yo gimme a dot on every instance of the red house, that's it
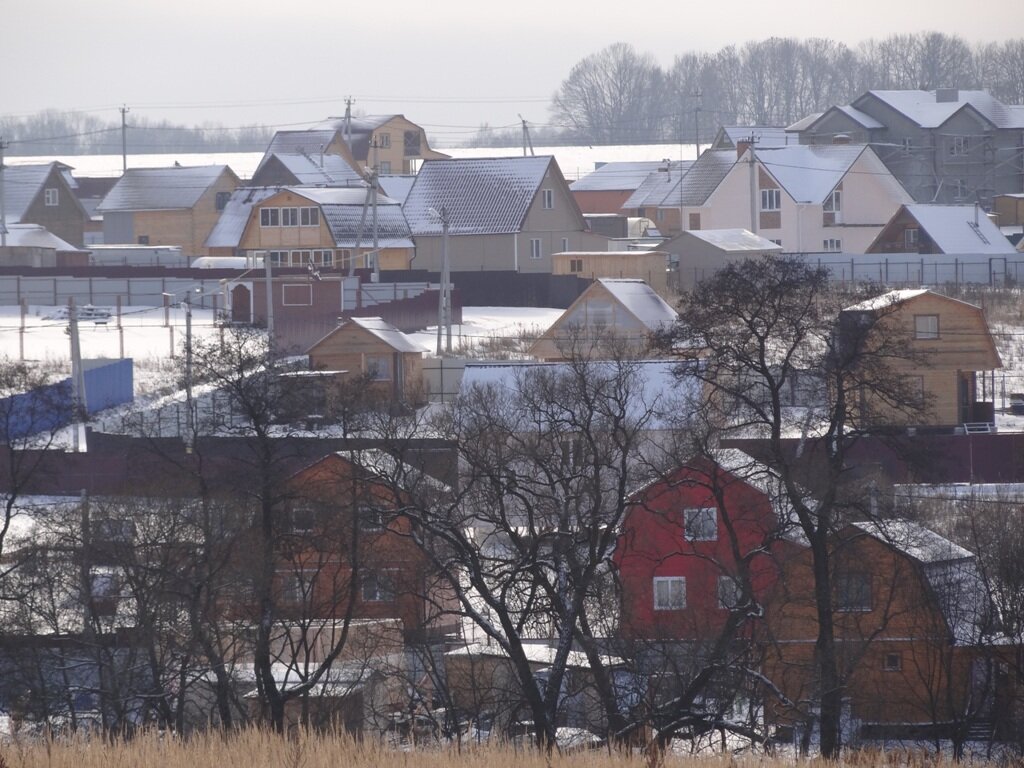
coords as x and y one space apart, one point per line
690 543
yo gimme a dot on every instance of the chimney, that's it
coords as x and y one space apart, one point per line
947 95
741 147
841 138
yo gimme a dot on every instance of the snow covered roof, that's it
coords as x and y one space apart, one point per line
230 226
619 176
326 169
914 540
733 239
923 108
809 172
660 188
536 653
387 333
156 189
886 300
959 228
310 142
641 300
483 196
863 118
803 123
36 236
395 186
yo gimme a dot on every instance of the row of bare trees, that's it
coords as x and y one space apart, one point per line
254 576
622 95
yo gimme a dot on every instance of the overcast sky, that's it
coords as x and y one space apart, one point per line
448 64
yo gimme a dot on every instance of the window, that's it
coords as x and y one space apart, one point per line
301 519
959 146
832 244
384 167
926 326
915 389
289 217
370 518
659 215
309 217
323 258
297 586
728 592
411 142
379 367
384 140
143 239
777 242
575 265
346 259
960 189
911 238
104 582
301 258
51 196
377 587
279 258
297 295
834 202
771 199
270 217
700 524
222 200
535 248
892 662
547 197
853 592
113 530
565 244
669 593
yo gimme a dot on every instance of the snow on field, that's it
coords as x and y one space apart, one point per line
489 327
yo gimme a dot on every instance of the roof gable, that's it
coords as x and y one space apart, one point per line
809 172
23 184
230 226
324 170
376 327
156 189
954 228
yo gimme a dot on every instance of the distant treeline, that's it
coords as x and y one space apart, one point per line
622 96
53 132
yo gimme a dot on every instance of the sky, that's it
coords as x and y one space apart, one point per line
448 65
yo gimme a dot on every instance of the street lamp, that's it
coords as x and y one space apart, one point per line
444 299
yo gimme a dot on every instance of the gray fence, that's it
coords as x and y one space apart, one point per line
103 291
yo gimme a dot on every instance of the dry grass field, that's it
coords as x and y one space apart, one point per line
261 749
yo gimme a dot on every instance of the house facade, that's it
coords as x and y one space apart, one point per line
504 214
944 146
167 206
649 266
606 189
698 254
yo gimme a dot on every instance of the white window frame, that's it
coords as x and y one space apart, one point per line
575 266
382 583
832 245
51 197
369 518
844 593
771 199
696 522
565 244
911 237
278 258
547 197
834 202
669 593
292 291
384 140
290 217
959 146
309 216
926 327
270 217
536 248
378 367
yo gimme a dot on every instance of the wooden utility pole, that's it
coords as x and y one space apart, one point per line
696 119
3 212
124 138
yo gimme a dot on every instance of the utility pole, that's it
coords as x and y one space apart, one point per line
3 212
753 184
444 302
696 119
373 186
189 406
124 139
348 122
77 380
270 303
527 141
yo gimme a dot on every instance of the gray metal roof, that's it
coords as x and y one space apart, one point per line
614 177
313 170
158 189
396 187
227 232
705 175
483 196
640 299
731 240
310 142
36 236
342 208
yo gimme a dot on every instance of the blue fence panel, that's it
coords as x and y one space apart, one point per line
40 410
107 383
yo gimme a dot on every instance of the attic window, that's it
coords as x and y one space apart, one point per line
893 662
853 591
911 238
926 326
51 196
412 143
222 200
669 593
701 524
384 140
959 146
771 199
548 198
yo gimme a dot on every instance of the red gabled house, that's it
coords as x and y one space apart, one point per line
691 542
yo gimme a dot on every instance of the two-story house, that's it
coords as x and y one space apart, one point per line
507 214
944 146
945 344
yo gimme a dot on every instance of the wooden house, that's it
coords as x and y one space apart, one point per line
44 194
698 254
947 343
370 348
167 206
612 316
910 612
504 214
297 169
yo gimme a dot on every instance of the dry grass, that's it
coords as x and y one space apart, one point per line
261 749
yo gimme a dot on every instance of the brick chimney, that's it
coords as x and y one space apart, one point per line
742 146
